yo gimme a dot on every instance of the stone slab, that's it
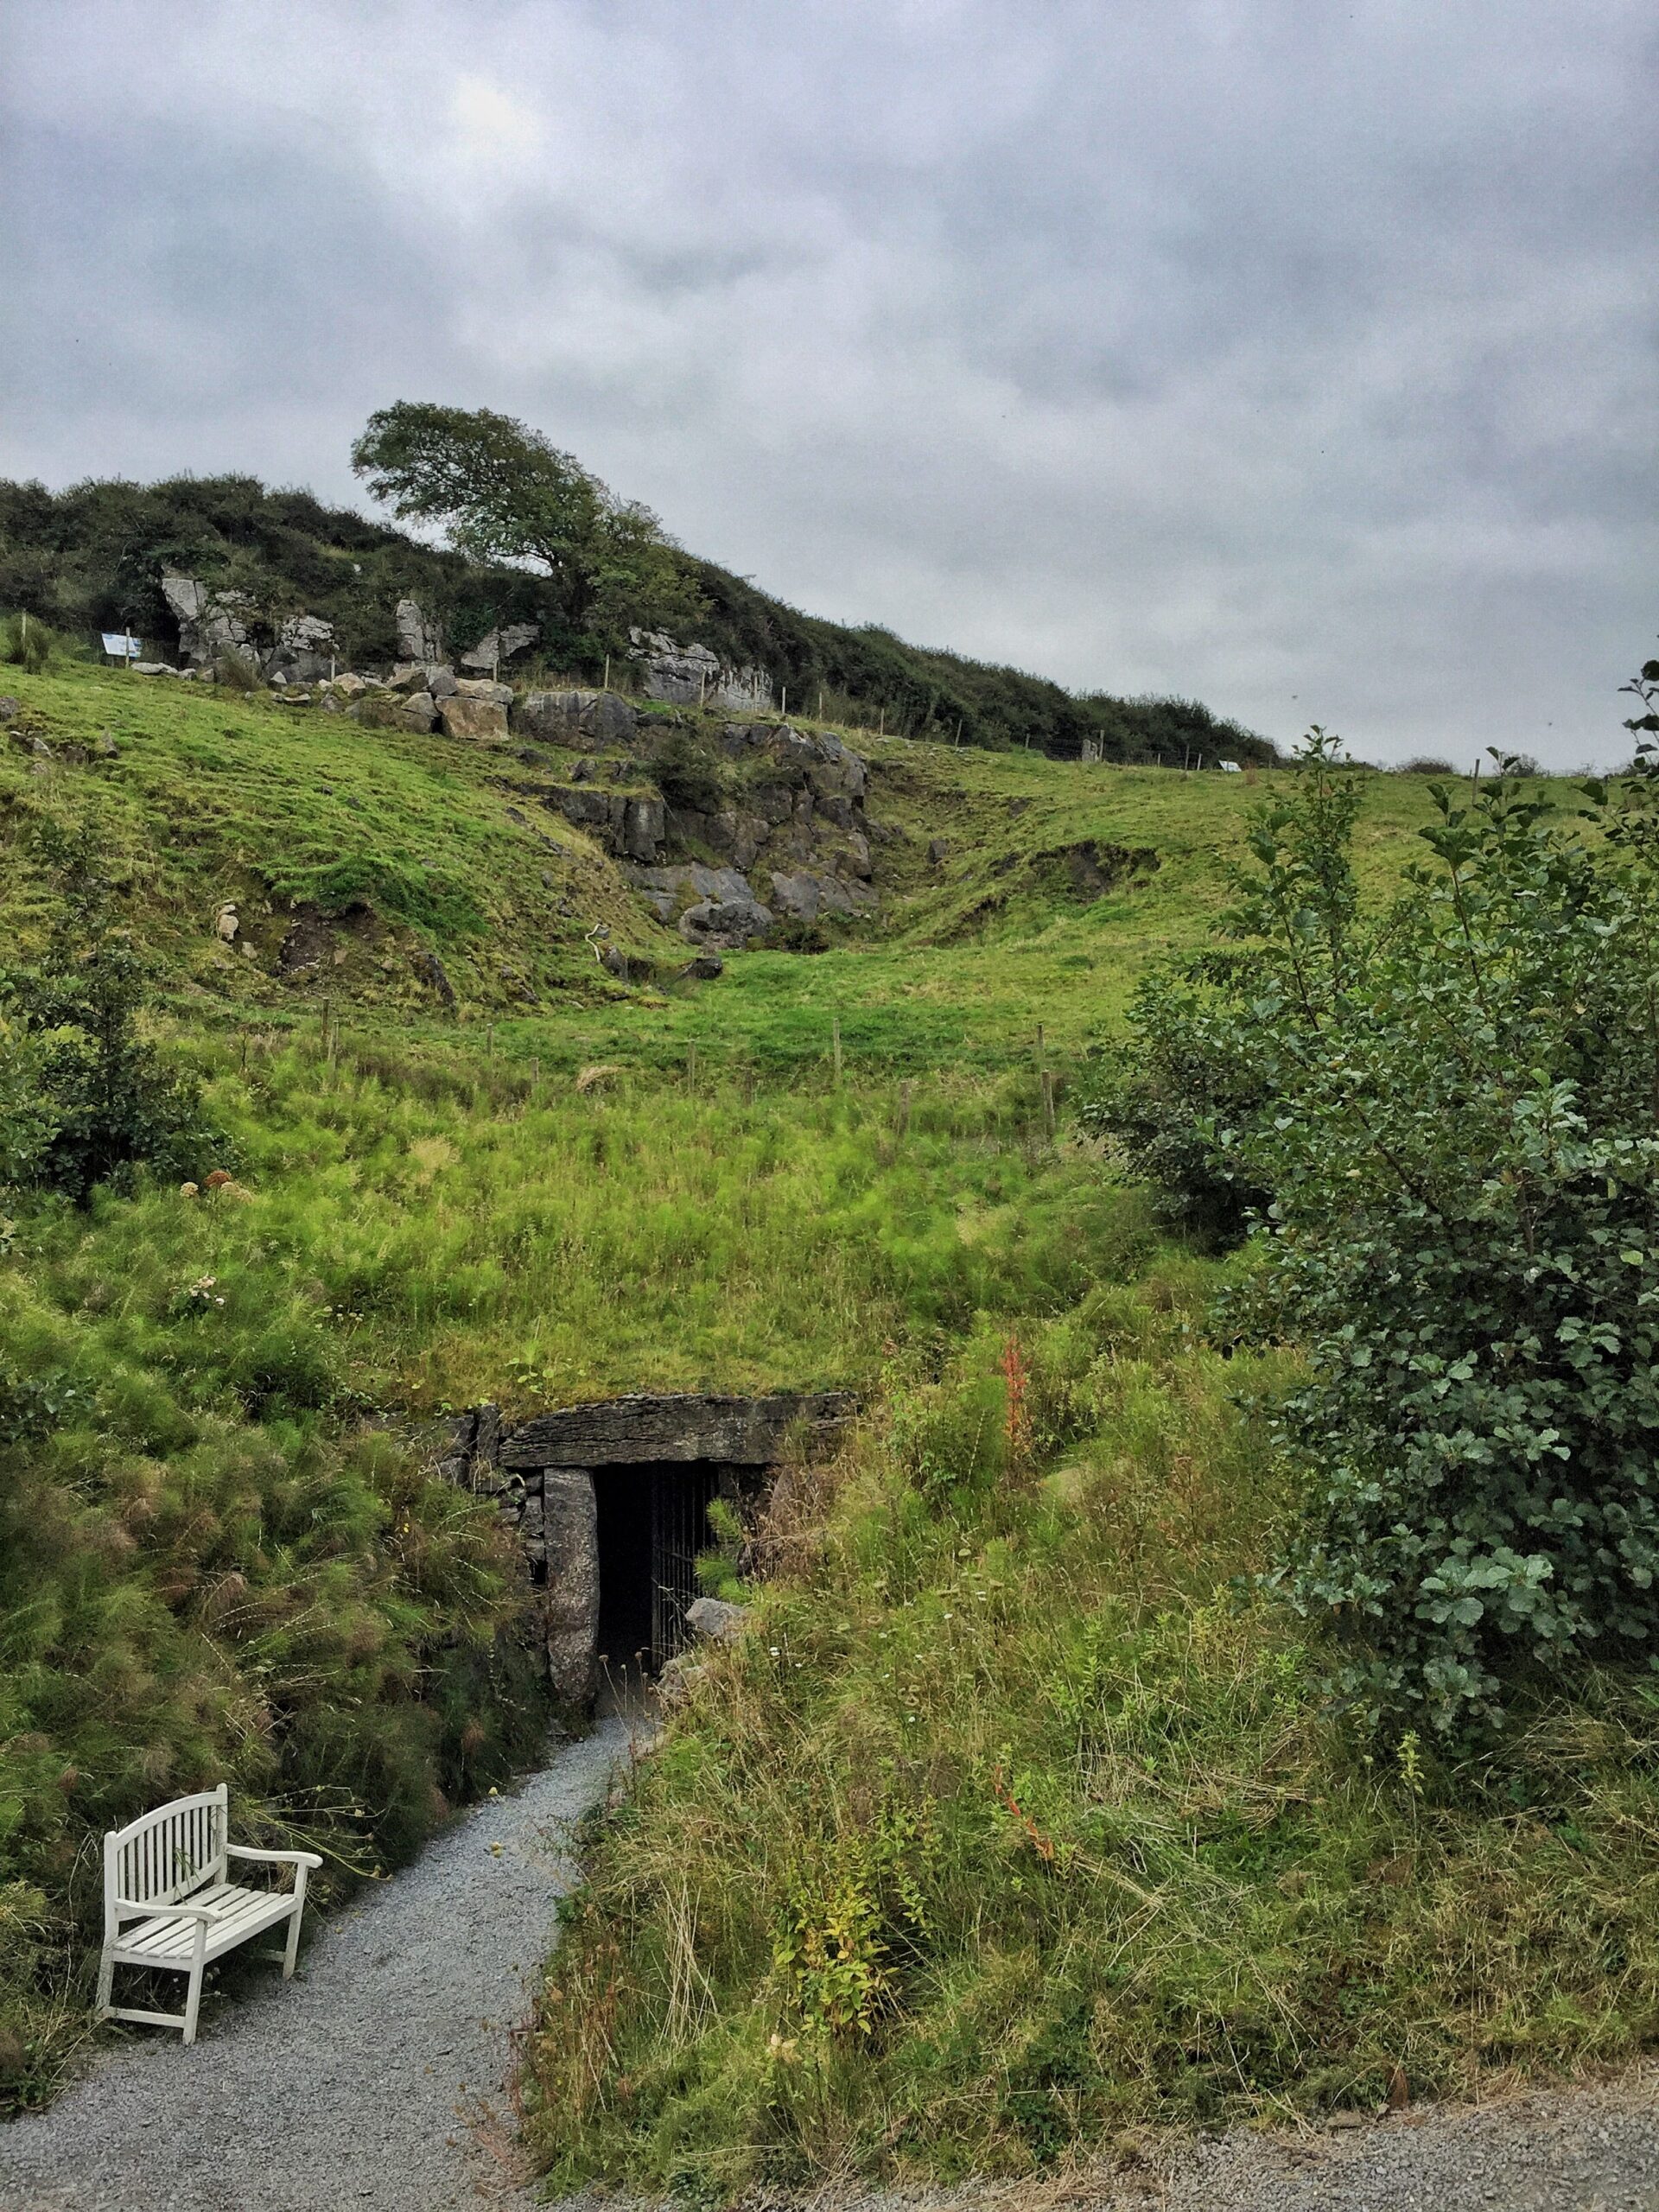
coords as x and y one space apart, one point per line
638 1430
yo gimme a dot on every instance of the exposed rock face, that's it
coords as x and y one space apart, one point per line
627 826
799 806
692 676
500 646
598 718
668 890
305 648
212 623
804 897
478 721
418 637
570 1532
725 925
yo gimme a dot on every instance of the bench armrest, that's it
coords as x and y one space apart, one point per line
126 1909
275 1857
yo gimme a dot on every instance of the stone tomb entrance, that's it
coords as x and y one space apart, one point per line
611 1505
651 1523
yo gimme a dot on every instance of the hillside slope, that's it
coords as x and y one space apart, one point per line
91 558
1011 888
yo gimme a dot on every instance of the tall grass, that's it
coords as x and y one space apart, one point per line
491 1237
1015 1825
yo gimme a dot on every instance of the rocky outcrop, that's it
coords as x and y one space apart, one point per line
692 676
628 825
596 718
305 650
419 637
725 925
805 897
213 625
501 646
669 891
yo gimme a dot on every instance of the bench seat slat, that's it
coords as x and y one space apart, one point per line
237 1914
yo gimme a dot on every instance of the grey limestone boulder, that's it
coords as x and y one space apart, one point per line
691 675
212 623
305 648
480 687
478 721
725 925
715 1620
501 644
599 718
806 897
418 636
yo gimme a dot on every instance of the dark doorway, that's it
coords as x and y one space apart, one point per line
653 1521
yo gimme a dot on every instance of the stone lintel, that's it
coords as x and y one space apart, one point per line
623 1432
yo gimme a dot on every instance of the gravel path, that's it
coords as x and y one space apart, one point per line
372 2082
1593 2148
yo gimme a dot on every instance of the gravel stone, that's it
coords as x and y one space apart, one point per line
1591 2149
373 2079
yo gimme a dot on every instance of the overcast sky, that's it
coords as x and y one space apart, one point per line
1293 354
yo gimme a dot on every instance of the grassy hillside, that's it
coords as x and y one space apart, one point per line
409 844
1018 1826
91 558
1013 1827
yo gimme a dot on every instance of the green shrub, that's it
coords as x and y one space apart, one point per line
27 642
85 1096
1458 1139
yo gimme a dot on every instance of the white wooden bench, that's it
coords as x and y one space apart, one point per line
165 1872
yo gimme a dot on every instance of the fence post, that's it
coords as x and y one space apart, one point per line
835 1045
904 1109
690 1067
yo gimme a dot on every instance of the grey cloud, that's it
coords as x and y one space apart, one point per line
1296 357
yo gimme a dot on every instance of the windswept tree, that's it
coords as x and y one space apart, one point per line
503 492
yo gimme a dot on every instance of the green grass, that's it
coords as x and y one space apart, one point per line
218 797
1011 1827
1014 1826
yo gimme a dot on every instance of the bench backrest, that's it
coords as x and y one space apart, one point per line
163 1856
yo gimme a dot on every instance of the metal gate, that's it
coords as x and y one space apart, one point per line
679 1530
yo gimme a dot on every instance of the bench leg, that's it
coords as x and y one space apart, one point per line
291 1952
198 1967
105 1987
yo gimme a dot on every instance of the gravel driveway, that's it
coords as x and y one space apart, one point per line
372 2081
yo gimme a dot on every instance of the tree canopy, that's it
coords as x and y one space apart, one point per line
504 492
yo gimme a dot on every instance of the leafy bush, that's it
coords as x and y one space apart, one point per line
1161 1094
85 1096
1457 1132
26 643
